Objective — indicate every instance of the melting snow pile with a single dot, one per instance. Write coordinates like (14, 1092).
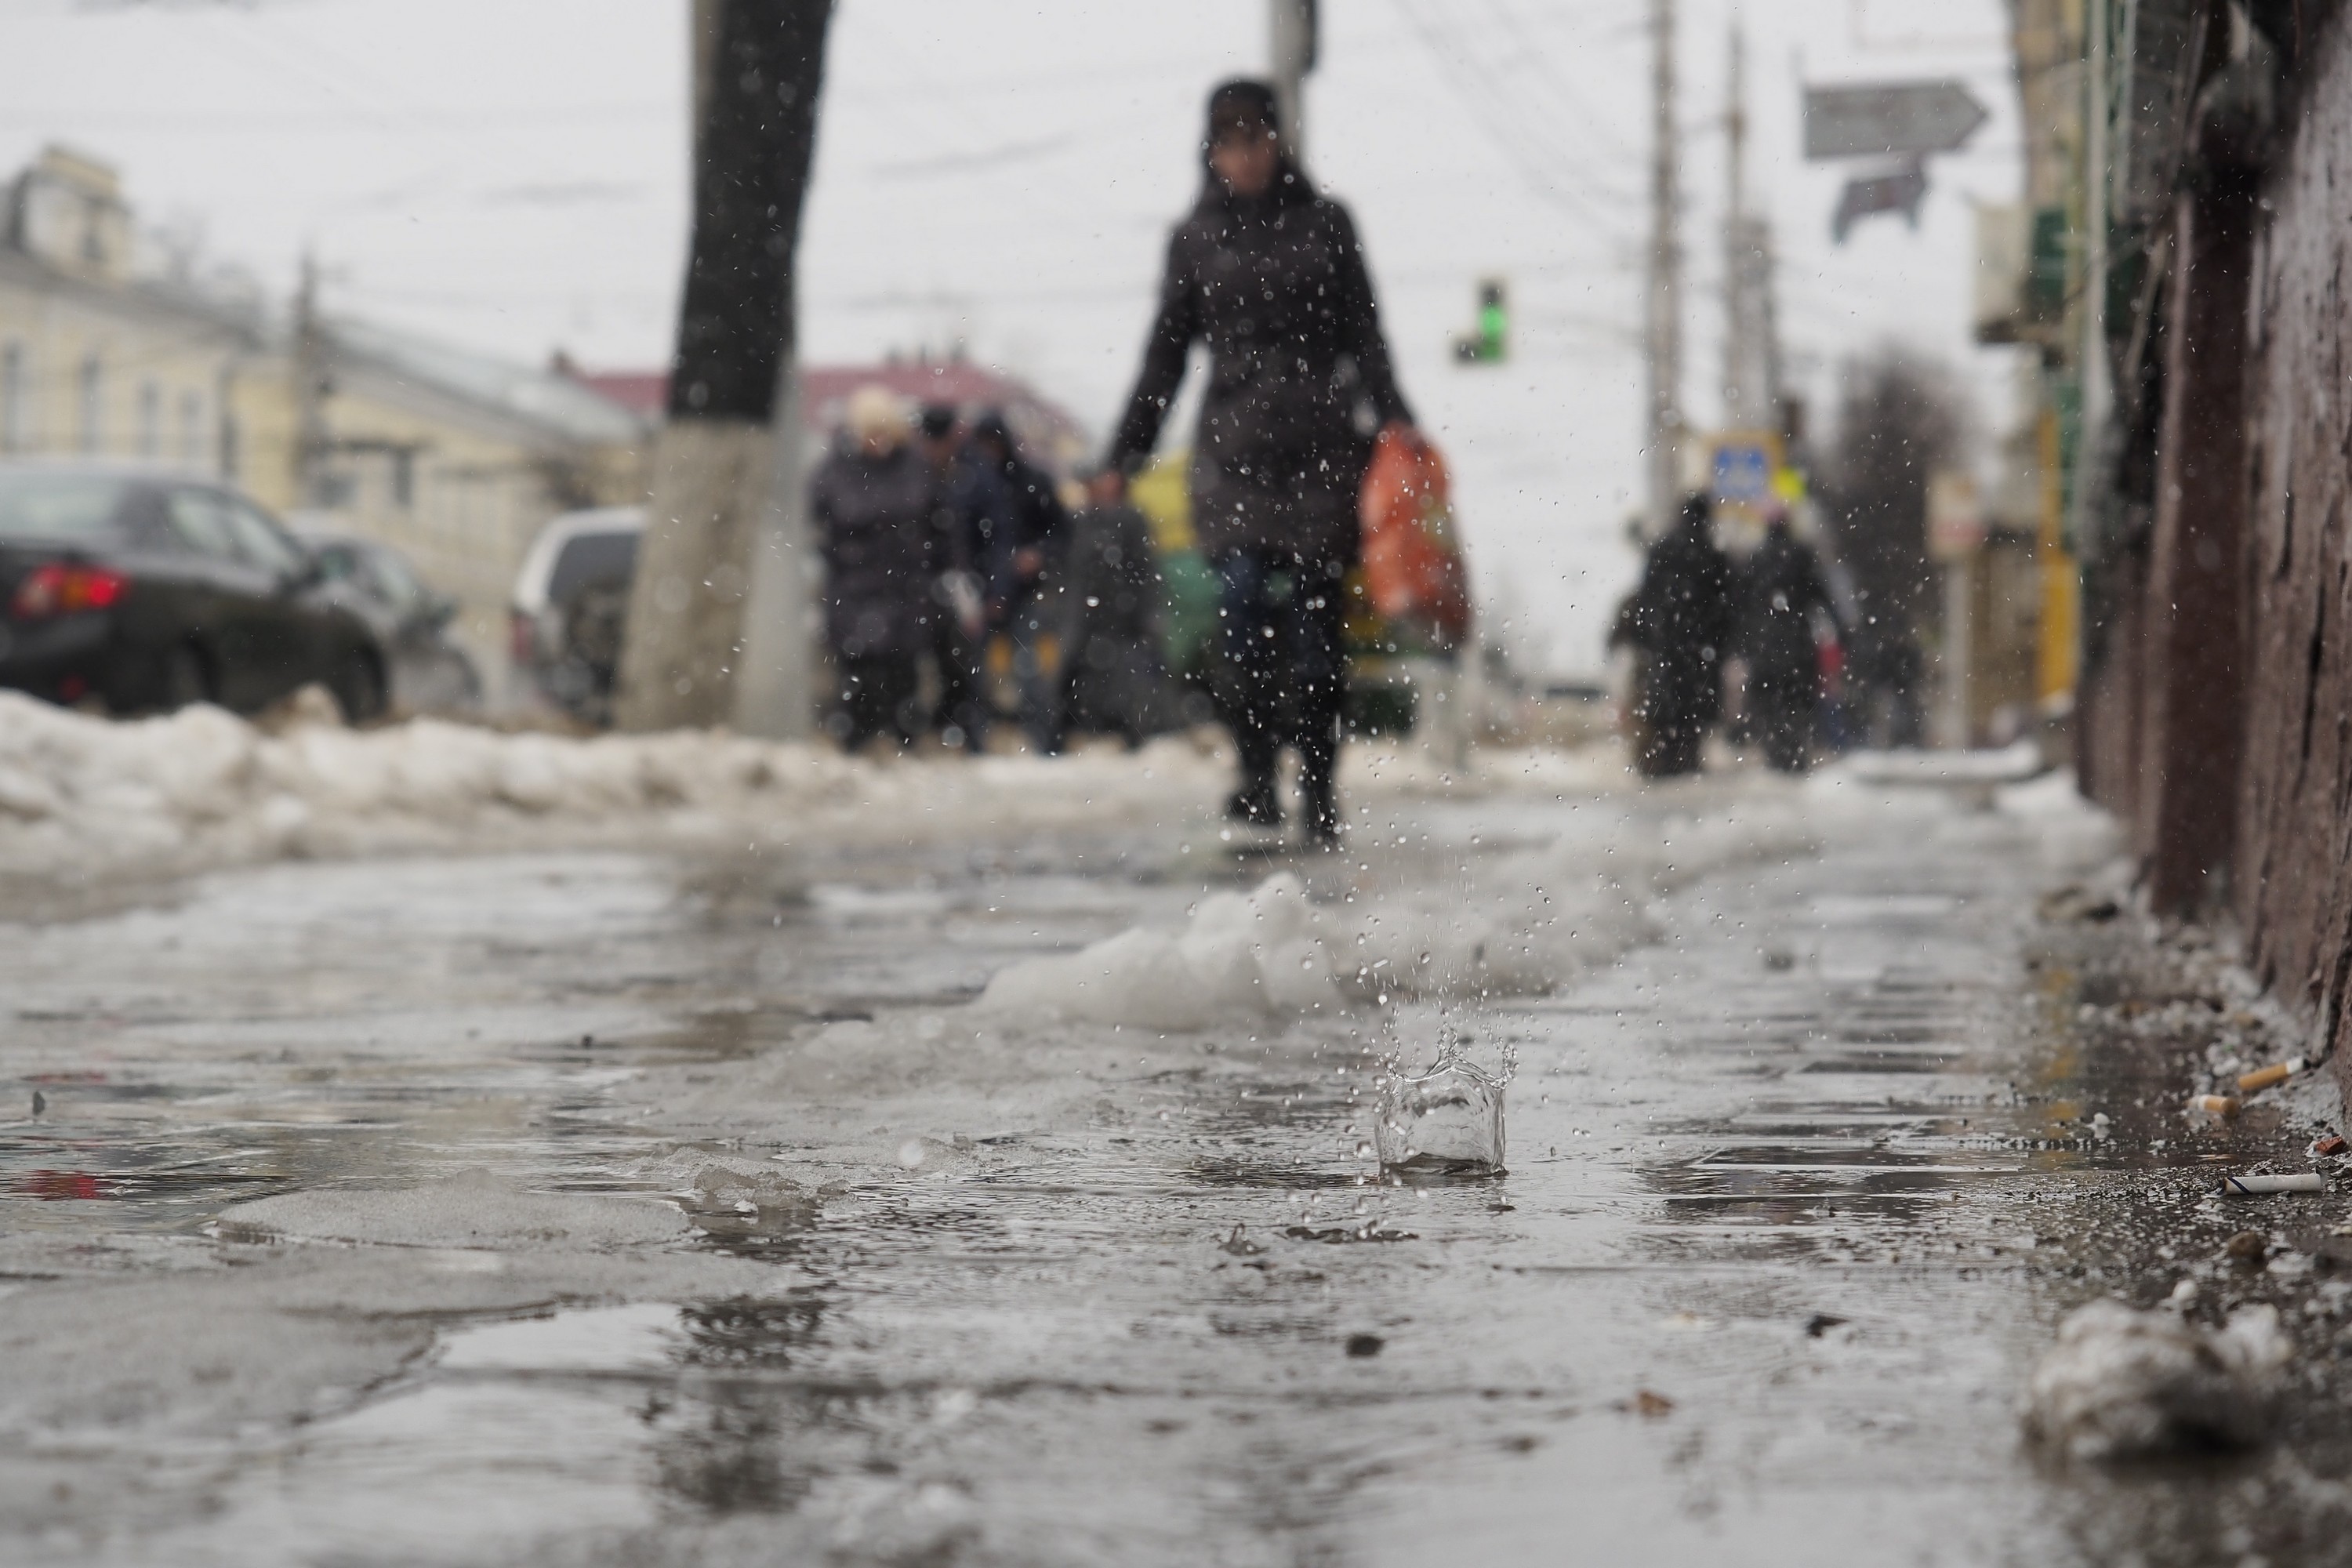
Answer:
(1528, 926)
(1237, 957)
(202, 787)
(2121, 1383)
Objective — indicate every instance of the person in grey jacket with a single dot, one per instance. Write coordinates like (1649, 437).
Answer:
(874, 502)
(1269, 274)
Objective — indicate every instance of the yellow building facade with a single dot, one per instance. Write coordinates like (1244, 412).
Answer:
(453, 459)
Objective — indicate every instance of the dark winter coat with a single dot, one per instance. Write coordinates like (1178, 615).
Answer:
(1779, 590)
(1025, 514)
(1299, 379)
(1681, 616)
(876, 520)
(1106, 593)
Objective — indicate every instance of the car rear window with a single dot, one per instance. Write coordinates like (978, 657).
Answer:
(587, 560)
(60, 505)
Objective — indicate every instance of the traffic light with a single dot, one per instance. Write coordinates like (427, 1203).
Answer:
(1489, 343)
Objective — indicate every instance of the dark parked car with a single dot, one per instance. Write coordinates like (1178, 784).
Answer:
(430, 673)
(570, 606)
(146, 590)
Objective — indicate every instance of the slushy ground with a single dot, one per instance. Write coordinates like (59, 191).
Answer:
(688, 1205)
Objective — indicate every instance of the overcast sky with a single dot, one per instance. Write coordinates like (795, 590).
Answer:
(511, 174)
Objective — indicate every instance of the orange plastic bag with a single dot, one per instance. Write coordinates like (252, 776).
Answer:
(1413, 574)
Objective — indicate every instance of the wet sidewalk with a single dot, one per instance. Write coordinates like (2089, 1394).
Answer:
(1797, 1191)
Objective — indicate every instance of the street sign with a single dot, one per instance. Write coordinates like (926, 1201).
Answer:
(1956, 519)
(1875, 120)
(1898, 189)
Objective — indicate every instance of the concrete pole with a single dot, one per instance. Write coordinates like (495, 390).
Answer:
(311, 439)
(1290, 56)
(1748, 372)
(775, 674)
(1665, 336)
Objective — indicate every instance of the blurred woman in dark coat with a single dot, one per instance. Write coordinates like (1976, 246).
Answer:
(1269, 274)
(1681, 619)
(1782, 587)
(874, 502)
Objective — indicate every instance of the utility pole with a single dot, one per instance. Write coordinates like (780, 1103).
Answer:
(310, 374)
(1291, 29)
(1664, 337)
(1749, 389)
(721, 626)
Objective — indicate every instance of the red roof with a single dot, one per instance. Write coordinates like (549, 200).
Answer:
(1044, 428)
(645, 393)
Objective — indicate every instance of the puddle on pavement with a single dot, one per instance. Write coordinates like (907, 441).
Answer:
(1770, 1250)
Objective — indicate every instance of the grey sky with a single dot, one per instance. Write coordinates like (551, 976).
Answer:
(511, 174)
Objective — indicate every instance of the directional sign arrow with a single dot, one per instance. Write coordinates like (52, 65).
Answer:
(1875, 118)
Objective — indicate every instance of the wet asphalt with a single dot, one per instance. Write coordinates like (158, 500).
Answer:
(1796, 1196)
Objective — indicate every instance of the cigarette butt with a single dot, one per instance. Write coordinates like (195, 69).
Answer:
(2255, 1186)
(2262, 1078)
(2214, 1105)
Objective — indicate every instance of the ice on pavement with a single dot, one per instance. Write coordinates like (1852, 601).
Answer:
(2121, 1382)
(471, 1209)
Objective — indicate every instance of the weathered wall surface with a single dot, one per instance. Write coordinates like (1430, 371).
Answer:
(2293, 873)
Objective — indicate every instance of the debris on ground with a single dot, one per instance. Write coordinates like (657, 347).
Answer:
(2122, 1382)
(2262, 1078)
(2261, 1185)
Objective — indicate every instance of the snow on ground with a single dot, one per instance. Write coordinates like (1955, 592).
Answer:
(90, 797)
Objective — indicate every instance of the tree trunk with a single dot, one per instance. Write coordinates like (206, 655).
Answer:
(726, 484)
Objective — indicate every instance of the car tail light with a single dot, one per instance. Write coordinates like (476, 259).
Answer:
(60, 588)
(521, 643)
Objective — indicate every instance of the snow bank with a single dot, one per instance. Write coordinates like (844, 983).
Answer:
(1527, 926)
(82, 796)
(2121, 1383)
(201, 787)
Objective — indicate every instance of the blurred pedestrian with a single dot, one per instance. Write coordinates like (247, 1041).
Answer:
(1681, 622)
(1020, 526)
(1782, 587)
(958, 621)
(1108, 594)
(875, 504)
(1269, 275)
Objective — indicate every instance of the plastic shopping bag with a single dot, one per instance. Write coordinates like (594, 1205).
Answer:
(1412, 569)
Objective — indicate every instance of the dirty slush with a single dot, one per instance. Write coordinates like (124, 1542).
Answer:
(1081, 1195)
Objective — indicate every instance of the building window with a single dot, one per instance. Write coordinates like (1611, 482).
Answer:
(230, 454)
(191, 430)
(150, 420)
(92, 388)
(12, 397)
(403, 478)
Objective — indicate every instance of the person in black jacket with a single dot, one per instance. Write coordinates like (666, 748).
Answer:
(959, 627)
(1681, 621)
(1269, 274)
(875, 504)
(1779, 590)
(1019, 530)
(1107, 596)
